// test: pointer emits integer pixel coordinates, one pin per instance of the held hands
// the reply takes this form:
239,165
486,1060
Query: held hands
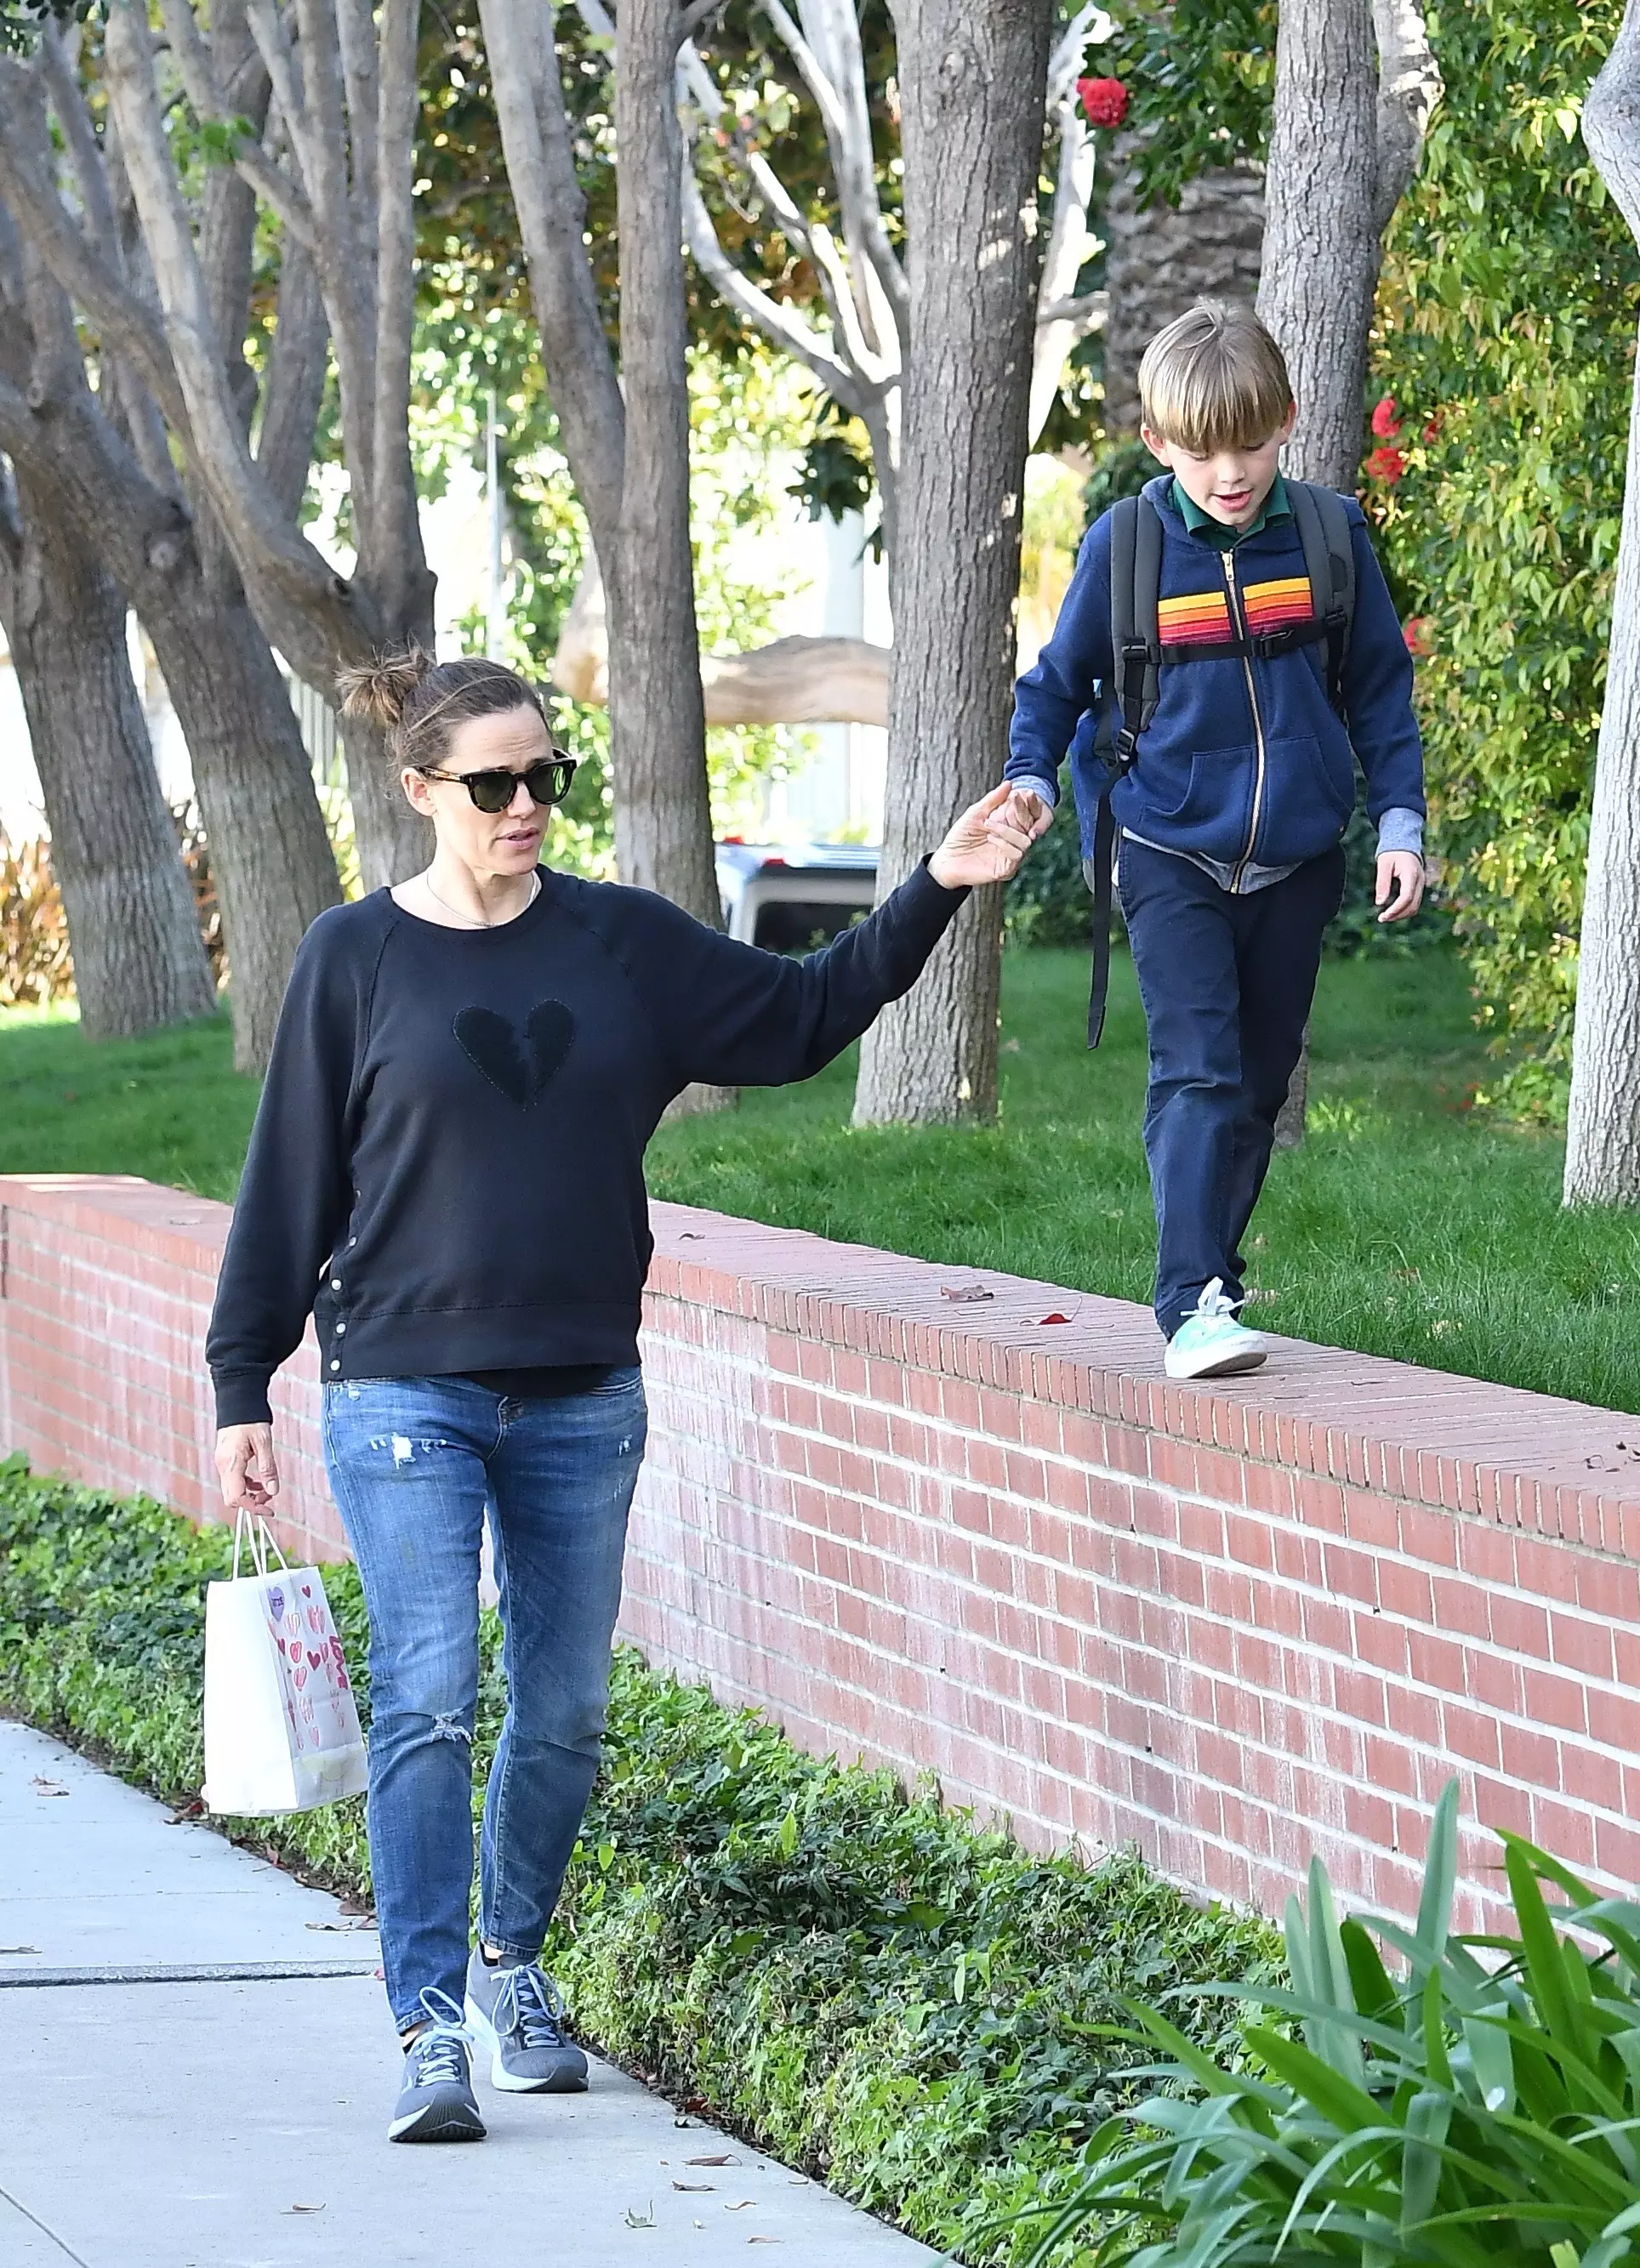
245,1467
1026,811
985,844
1400,885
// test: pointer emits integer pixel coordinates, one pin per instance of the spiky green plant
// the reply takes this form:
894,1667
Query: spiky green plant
1482,2105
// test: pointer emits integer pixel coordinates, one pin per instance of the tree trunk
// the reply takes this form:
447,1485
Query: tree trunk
1355,84
394,840
973,80
1603,1129
275,871
1161,258
657,719
139,961
1321,252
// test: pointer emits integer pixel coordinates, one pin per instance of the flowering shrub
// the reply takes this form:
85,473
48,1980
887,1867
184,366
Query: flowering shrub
36,966
1104,100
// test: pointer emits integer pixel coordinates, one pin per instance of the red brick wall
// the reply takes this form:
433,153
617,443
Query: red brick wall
1231,1624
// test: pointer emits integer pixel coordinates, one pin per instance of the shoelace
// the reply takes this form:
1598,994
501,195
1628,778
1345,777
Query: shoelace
528,2004
1215,1303
441,2050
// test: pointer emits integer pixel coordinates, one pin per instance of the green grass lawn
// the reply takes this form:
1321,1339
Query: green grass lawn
1406,1225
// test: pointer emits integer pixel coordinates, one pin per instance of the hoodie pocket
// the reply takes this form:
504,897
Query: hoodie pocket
1199,802
1307,800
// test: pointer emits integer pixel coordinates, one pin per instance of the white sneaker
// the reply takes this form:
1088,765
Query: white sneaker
1210,1342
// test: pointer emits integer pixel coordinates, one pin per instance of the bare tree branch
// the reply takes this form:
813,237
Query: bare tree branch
28,186
295,383
1060,315
67,100
779,322
394,533
552,215
830,30
258,530
1409,87
360,75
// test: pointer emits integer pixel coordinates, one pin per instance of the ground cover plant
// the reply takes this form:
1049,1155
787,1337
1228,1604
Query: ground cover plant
1480,2103
863,1982
1410,1224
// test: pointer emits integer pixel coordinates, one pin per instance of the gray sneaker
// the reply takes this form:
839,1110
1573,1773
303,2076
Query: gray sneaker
437,2102
517,2015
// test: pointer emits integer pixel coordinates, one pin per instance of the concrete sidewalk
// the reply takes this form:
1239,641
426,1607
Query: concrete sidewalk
206,2071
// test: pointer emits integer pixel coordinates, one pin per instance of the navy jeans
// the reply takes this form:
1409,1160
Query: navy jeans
416,1464
1227,984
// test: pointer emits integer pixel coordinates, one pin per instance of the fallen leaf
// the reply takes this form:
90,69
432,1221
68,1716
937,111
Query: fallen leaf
690,1236
305,2208
641,2220
696,2188
724,2161
47,1786
1054,1318
739,2204
763,2240
966,1292
346,1927
18,1948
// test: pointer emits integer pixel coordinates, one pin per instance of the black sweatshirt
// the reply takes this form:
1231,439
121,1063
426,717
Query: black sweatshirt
446,1166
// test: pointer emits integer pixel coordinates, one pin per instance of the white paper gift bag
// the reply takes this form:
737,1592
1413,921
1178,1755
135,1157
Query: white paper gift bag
281,1727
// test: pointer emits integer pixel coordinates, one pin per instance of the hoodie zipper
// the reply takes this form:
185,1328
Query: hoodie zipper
1240,621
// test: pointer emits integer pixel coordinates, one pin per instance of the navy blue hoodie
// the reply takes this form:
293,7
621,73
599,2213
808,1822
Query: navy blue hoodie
1245,763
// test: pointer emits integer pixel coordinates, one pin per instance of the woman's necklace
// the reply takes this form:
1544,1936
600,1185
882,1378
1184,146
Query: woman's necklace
535,892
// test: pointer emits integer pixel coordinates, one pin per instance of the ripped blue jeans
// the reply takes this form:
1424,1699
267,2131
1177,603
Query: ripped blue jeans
416,1464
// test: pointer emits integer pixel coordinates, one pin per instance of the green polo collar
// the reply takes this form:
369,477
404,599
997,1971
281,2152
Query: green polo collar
1275,507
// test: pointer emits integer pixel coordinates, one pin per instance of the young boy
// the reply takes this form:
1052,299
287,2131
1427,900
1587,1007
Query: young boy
1232,795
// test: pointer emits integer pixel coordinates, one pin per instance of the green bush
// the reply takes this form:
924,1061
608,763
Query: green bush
861,1981
1482,2105
1506,338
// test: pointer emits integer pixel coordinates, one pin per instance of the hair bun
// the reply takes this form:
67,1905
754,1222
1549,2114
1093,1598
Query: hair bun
380,690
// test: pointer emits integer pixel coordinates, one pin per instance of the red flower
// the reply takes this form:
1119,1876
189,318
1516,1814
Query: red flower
1385,464
1385,423
1415,631
1104,100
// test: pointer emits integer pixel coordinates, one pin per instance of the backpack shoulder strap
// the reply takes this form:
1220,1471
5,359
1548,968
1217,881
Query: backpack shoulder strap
1135,645
1329,552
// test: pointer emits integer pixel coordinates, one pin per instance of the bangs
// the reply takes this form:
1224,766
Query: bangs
1214,379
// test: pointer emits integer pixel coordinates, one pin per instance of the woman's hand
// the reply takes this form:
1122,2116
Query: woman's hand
245,1467
983,845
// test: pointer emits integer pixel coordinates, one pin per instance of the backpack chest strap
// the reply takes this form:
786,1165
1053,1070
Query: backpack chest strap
1258,645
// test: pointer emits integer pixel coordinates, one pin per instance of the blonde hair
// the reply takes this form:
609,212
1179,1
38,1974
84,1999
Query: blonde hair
1213,380
419,704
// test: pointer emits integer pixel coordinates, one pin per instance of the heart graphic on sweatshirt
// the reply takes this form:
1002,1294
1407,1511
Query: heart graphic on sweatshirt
522,1065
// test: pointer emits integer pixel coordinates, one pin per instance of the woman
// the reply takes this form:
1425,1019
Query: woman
447,1169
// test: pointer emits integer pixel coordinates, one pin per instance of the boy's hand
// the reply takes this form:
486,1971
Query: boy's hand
982,846
1400,885
1025,812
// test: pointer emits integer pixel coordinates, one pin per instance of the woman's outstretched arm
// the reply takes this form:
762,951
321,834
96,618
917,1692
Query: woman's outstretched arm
729,1014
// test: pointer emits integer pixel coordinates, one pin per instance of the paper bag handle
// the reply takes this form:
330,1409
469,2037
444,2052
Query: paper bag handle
262,1541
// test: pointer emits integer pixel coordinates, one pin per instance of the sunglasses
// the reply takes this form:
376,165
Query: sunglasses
548,781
